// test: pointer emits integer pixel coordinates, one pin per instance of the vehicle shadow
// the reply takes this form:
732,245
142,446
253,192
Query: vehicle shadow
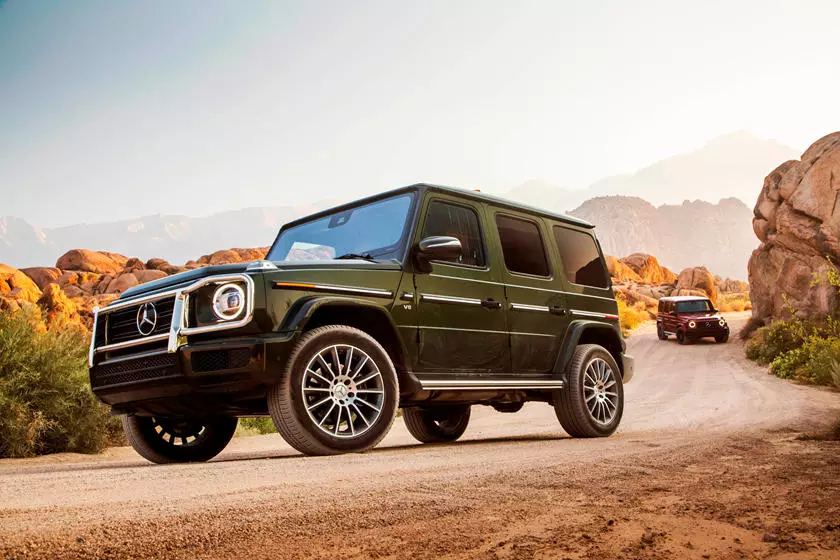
282,454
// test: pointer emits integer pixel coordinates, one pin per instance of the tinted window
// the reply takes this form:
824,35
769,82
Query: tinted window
457,221
581,259
522,246
695,306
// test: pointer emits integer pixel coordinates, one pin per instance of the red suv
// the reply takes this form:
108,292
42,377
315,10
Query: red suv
690,318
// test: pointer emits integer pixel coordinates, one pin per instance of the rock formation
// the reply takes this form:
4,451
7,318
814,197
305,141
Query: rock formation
649,269
797,220
695,281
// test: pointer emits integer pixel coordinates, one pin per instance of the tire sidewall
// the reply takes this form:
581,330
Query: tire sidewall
293,381
219,434
577,385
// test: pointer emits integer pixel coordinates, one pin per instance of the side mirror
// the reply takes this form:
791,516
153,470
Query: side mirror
673,313
436,248
715,310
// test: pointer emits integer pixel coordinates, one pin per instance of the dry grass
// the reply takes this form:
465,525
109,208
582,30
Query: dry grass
631,316
734,302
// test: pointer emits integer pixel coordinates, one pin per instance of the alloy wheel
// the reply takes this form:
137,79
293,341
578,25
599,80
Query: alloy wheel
599,393
343,391
179,433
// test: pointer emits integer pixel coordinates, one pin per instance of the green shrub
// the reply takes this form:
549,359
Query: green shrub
46,405
813,362
255,427
771,341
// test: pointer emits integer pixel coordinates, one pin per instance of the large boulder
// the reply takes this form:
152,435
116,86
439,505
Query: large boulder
59,310
649,269
99,262
43,276
797,220
696,281
228,256
620,272
16,285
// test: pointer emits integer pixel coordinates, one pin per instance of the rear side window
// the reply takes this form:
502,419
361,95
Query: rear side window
460,222
522,246
581,259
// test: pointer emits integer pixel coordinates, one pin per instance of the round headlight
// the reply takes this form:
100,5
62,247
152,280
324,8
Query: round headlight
722,323
691,324
228,301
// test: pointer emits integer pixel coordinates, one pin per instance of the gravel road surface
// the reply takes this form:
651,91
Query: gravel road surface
707,463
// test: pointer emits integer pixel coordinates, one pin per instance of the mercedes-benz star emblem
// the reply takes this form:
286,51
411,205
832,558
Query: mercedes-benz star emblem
147,318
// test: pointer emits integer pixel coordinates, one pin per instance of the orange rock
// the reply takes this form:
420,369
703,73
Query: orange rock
91,261
696,281
12,279
144,276
121,283
647,267
42,276
59,310
620,271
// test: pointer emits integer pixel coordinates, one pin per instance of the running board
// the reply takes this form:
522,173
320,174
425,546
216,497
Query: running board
488,384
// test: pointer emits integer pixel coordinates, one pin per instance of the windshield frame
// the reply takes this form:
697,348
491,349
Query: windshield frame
405,237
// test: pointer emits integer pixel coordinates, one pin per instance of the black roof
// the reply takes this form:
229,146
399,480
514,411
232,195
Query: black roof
456,191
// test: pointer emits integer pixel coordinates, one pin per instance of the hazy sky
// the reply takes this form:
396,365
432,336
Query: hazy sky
113,110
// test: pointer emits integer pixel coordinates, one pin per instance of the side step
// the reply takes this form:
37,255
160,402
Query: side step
491,384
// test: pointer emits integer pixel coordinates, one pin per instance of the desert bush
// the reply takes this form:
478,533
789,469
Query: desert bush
798,349
46,405
769,342
631,316
255,427
734,302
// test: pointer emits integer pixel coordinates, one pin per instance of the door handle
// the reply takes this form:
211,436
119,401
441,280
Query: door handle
557,310
491,303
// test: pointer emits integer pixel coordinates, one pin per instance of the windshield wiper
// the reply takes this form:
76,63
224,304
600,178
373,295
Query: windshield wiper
364,257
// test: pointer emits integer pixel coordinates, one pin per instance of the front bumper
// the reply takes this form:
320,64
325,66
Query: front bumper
628,366
198,377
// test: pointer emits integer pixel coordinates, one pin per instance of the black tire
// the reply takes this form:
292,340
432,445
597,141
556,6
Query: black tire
437,424
722,338
294,415
660,333
570,403
682,338
154,438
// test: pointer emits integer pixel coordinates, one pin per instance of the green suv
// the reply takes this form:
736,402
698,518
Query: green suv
426,298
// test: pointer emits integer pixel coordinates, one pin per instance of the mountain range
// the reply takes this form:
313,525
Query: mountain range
704,232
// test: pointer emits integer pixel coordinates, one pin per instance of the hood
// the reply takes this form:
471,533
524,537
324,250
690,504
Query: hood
190,276
700,315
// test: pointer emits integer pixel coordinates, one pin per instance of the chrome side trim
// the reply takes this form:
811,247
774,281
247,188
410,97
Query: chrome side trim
407,296
484,331
450,299
523,287
484,384
178,328
580,313
526,307
333,288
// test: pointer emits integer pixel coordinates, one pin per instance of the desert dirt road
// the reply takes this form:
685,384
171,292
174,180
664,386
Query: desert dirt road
708,463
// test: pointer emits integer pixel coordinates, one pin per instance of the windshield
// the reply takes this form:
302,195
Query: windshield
377,230
698,306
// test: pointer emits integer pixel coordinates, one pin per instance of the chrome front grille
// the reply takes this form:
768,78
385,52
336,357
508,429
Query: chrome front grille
116,332
122,324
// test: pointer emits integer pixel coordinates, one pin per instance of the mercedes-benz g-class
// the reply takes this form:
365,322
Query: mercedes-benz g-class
428,298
